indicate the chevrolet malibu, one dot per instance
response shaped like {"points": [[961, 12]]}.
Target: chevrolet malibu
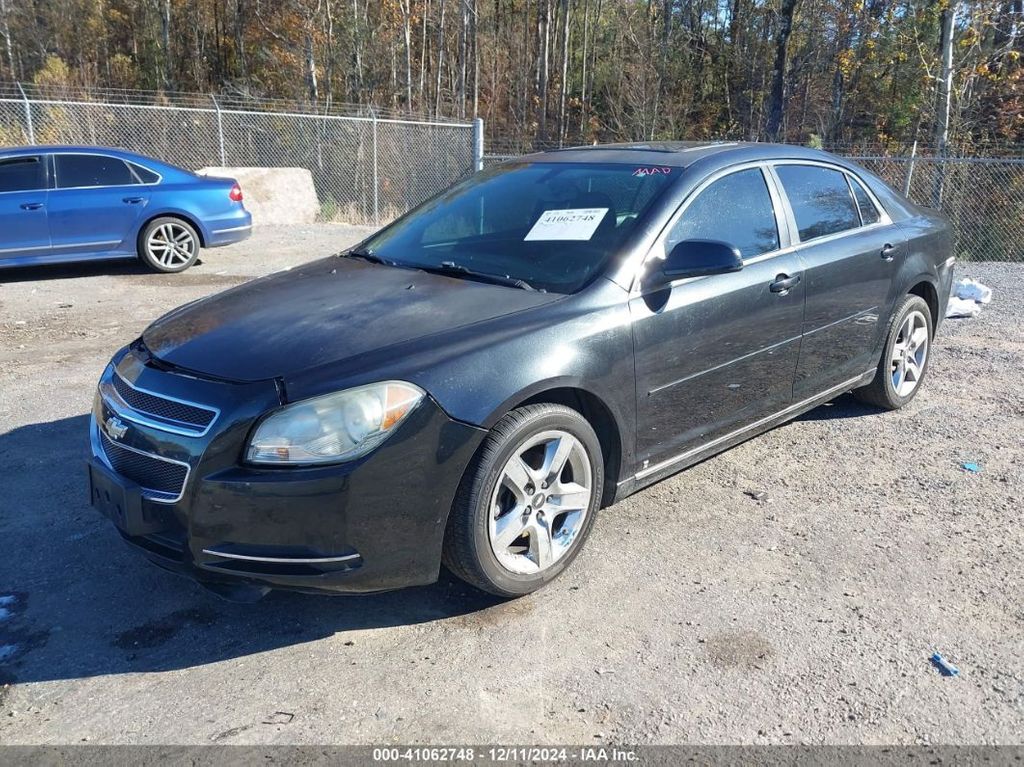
{"points": [[473, 383], [61, 204]]}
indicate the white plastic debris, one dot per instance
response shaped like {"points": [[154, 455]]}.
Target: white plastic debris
{"points": [[961, 307], [972, 290]]}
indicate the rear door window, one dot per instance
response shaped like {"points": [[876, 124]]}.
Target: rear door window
{"points": [[868, 211], [85, 170], [22, 174], [821, 200], [736, 209], [146, 176]]}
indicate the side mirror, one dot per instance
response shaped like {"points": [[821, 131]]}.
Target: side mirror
{"points": [[698, 258]]}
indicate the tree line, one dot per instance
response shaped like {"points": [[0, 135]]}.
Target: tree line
{"points": [[549, 72]]}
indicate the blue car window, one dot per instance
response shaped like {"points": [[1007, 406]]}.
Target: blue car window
{"points": [[21, 174], [145, 175], [84, 170]]}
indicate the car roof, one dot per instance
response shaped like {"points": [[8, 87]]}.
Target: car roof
{"points": [[681, 154], [37, 148], [166, 169]]}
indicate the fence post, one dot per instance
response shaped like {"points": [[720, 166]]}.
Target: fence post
{"points": [[220, 132], [28, 115], [376, 185], [478, 143], [910, 170]]}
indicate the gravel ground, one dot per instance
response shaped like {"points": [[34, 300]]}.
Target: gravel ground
{"points": [[696, 614]]}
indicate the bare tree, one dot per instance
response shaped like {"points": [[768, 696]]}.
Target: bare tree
{"points": [[945, 93], [440, 62], [945, 81], [778, 93], [5, 30], [167, 68], [406, 7], [565, 72], [543, 54], [463, 56]]}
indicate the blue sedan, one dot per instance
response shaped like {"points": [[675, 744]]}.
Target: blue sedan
{"points": [[63, 203]]}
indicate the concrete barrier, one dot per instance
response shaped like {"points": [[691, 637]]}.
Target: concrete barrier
{"points": [[274, 195]]}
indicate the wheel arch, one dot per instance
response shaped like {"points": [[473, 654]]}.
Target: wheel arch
{"points": [[182, 216], [925, 288], [597, 413]]}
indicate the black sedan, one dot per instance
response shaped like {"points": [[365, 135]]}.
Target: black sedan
{"points": [[470, 385]]}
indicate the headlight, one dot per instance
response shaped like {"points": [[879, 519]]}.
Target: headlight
{"points": [[333, 428]]}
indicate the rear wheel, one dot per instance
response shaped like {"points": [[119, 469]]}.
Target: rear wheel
{"points": [[527, 502], [905, 357], [168, 245]]}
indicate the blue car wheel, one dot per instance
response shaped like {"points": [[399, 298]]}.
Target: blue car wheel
{"points": [[168, 245]]}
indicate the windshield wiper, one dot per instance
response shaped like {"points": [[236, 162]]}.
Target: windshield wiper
{"points": [[453, 269], [366, 254]]}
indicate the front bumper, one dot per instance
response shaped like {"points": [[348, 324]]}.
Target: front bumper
{"points": [[372, 524]]}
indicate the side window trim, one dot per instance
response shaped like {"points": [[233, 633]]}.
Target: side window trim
{"points": [[42, 161], [852, 179], [56, 181], [785, 237], [884, 219], [856, 202]]}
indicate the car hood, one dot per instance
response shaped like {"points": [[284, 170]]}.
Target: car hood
{"points": [[324, 312]]}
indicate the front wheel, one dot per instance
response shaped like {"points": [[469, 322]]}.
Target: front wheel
{"points": [[904, 359], [168, 245], [527, 502]]}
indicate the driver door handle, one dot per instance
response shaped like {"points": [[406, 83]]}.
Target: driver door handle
{"points": [[783, 283], [31, 205]]}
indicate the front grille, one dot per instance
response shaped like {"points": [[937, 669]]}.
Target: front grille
{"points": [[161, 407], [159, 479]]}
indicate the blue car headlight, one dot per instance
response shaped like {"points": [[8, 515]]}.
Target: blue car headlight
{"points": [[333, 428]]}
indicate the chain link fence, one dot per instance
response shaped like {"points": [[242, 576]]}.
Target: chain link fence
{"points": [[368, 166], [982, 196]]}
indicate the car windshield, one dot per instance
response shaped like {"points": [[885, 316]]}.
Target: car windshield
{"points": [[545, 226]]}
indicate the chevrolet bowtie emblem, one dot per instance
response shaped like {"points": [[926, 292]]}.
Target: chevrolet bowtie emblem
{"points": [[115, 427]]}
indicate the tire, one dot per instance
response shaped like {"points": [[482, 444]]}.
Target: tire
{"points": [[887, 389], [168, 245], [497, 496]]}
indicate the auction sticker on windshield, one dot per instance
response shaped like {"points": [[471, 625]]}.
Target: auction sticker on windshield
{"points": [[569, 224]]}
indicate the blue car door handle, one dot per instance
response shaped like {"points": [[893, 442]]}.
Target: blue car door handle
{"points": [[31, 205], [133, 200]]}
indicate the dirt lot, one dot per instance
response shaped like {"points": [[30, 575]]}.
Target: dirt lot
{"points": [[697, 613]]}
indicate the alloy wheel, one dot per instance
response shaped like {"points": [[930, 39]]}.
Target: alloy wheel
{"points": [[909, 354], [540, 502], [171, 245]]}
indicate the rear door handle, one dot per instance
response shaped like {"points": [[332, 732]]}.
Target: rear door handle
{"points": [[783, 283], [888, 251], [133, 200], [31, 205]]}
